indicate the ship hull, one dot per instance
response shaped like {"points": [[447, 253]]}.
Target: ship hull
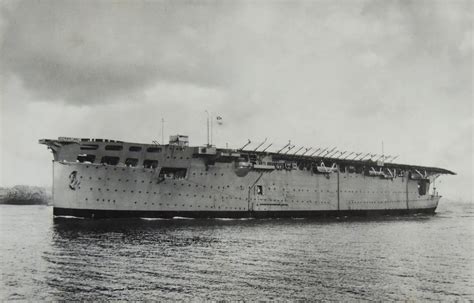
{"points": [[103, 191], [99, 214]]}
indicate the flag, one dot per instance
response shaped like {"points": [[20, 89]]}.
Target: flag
{"points": [[219, 120]]}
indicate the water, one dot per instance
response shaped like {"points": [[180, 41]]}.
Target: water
{"points": [[389, 258]]}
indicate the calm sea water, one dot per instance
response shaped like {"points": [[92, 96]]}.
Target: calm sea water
{"points": [[389, 258]]}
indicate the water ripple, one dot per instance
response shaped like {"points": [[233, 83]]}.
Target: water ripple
{"points": [[388, 258]]}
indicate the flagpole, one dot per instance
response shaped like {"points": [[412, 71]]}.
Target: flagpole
{"points": [[207, 127], [212, 128], [162, 131]]}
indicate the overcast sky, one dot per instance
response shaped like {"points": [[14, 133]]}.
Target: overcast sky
{"points": [[349, 74]]}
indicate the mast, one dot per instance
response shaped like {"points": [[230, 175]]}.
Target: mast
{"points": [[162, 131], [207, 127]]}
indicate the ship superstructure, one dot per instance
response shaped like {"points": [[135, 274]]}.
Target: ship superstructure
{"points": [[109, 178]]}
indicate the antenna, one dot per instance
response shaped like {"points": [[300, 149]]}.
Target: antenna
{"points": [[360, 158], [347, 156], [290, 148], [315, 151], [307, 150], [322, 151], [298, 150], [245, 145], [341, 153], [370, 157], [393, 158], [330, 151], [289, 143], [207, 127], [260, 144], [332, 154], [212, 128], [267, 147], [162, 131], [363, 157], [356, 156]]}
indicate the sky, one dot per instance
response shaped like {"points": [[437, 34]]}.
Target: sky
{"points": [[351, 74]]}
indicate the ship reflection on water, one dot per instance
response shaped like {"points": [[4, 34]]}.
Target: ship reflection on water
{"points": [[389, 258]]}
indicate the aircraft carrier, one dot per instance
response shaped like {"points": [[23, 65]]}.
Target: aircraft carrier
{"points": [[100, 178]]}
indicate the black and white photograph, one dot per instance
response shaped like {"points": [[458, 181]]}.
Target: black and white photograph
{"points": [[244, 150]]}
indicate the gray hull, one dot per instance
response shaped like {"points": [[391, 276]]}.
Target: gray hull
{"points": [[97, 190]]}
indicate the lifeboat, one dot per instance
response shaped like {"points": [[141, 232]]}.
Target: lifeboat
{"points": [[325, 169]]}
